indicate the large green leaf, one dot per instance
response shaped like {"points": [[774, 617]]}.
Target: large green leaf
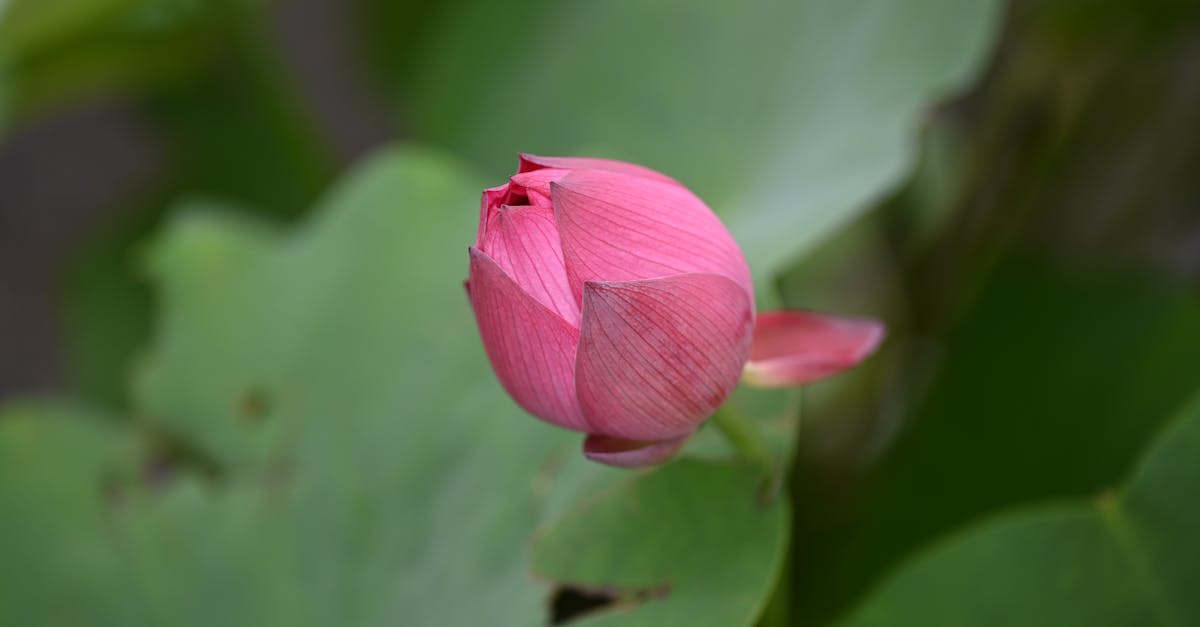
{"points": [[1129, 558], [341, 360], [786, 116], [689, 544], [1046, 363]]}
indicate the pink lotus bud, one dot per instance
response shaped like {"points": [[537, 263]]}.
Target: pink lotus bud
{"points": [[612, 301]]}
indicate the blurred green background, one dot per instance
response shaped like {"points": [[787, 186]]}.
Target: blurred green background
{"points": [[240, 384]]}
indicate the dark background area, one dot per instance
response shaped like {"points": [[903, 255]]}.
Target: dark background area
{"points": [[84, 175]]}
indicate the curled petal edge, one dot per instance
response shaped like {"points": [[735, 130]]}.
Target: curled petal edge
{"points": [[631, 453]]}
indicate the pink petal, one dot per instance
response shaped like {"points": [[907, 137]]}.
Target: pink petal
{"points": [[530, 163], [531, 348], [795, 347], [657, 357], [631, 453], [524, 242], [488, 206], [617, 227]]}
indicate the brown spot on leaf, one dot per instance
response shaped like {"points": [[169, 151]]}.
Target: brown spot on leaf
{"points": [[568, 602], [254, 405]]}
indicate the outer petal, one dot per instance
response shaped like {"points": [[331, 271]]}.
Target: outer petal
{"points": [[617, 227], [657, 357], [531, 349], [524, 242], [530, 163], [797, 347], [631, 453]]}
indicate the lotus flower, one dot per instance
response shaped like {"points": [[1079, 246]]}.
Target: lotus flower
{"points": [[613, 302]]}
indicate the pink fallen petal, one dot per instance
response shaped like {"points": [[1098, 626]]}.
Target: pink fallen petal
{"points": [[656, 357], [531, 348], [631, 453], [795, 347], [617, 227], [523, 241], [533, 162]]}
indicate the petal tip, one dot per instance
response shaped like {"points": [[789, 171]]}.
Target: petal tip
{"points": [[528, 162]]}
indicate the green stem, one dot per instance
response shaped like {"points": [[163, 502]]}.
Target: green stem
{"points": [[743, 436]]}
